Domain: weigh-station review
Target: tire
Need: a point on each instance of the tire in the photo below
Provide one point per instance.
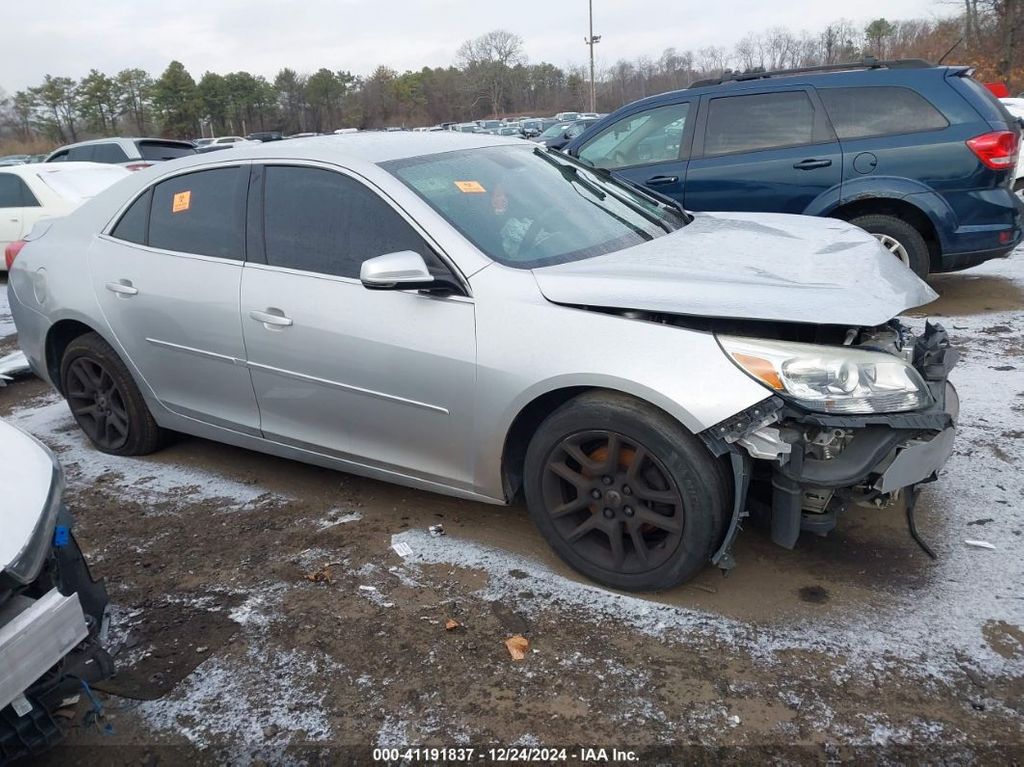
(104, 400)
(889, 229)
(647, 468)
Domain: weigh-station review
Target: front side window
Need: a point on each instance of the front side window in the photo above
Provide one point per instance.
(321, 221)
(646, 137)
(81, 153)
(879, 111)
(760, 121)
(200, 213)
(14, 192)
(528, 207)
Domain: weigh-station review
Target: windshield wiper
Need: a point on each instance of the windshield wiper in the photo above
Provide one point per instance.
(570, 174)
(663, 200)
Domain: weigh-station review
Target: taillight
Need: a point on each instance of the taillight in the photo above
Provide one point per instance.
(138, 165)
(996, 150)
(11, 252)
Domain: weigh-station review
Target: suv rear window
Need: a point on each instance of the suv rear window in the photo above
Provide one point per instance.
(879, 111)
(164, 150)
(759, 121)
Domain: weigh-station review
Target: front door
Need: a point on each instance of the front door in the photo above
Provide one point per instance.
(773, 152)
(167, 279)
(13, 193)
(379, 378)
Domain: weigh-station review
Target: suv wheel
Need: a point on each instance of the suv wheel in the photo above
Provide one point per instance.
(624, 494)
(104, 399)
(899, 238)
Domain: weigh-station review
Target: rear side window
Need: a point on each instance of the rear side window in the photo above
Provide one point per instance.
(879, 111)
(652, 136)
(133, 224)
(163, 150)
(760, 121)
(200, 213)
(321, 221)
(108, 153)
(14, 193)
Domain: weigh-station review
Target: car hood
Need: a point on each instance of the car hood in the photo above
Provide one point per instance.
(761, 266)
(28, 470)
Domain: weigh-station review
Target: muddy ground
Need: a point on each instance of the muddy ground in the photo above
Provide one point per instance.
(261, 613)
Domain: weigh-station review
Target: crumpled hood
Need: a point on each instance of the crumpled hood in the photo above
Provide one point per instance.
(762, 266)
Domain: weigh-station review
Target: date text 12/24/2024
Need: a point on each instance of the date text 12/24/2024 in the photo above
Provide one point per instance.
(457, 754)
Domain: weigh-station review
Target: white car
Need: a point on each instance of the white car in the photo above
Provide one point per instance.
(1015, 106)
(132, 153)
(30, 193)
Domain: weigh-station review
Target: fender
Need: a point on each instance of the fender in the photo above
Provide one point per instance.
(912, 192)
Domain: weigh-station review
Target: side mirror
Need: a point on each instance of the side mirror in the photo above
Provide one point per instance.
(404, 270)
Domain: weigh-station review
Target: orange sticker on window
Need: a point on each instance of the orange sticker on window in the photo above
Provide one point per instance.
(181, 202)
(470, 187)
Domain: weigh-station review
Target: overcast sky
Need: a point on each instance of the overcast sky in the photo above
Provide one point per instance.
(68, 37)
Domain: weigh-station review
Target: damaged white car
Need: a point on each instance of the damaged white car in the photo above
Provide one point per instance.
(52, 612)
(480, 317)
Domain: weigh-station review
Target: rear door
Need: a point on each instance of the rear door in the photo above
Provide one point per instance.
(773, 151)
(167, 279)
(648, 146)
(379, 377)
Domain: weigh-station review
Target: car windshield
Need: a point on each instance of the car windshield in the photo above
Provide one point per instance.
(527, 207)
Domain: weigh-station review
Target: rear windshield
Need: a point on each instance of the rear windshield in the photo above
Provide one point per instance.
(164, 150)
(526, 207)
(78, 184)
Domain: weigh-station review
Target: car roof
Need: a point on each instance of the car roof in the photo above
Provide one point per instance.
(35, 168)
(132, 139)
(363, 147)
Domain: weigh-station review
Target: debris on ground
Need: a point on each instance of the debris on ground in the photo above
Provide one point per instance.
(402, 549)
(517, 646)
(980, 544)
(323, 575)
(11, 365)
(451, 624)
(436, 530)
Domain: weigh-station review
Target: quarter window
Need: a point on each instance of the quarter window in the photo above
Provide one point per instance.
(321, 221)
(759, 121)
(132, 226)
(201, 213)
(14, 193)
(648, 137)
(879, 111)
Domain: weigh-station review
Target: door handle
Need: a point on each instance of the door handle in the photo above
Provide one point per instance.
(661, 180)
(271, 318)
(123, 288)
(812, 164)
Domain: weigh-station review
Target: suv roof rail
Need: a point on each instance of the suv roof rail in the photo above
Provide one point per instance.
(868, 62)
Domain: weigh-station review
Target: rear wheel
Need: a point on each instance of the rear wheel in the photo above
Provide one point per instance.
(104, 399)
(899, 238)
(624, 494)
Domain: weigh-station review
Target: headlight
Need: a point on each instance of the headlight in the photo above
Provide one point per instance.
(830, 379)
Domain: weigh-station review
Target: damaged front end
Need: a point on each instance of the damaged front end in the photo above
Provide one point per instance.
(860, 422)
(52, 612)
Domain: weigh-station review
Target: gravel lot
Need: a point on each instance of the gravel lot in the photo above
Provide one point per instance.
(230, 646)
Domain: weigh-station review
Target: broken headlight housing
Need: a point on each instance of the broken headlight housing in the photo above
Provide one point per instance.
(830, 379)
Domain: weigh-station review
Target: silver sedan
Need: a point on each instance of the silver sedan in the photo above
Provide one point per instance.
(478, 316)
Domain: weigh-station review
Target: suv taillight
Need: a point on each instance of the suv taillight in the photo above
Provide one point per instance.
(12, 251)
(996, 150)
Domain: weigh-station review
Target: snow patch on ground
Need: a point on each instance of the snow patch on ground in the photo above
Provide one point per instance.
(153, 483)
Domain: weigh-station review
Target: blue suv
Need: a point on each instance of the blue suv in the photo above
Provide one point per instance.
(921, 156)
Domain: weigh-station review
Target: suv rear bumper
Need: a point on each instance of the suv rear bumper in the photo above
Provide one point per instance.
(954, 262)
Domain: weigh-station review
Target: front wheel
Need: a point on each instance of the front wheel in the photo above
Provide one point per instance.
(899, 238)
(104, 399)
(624, 494)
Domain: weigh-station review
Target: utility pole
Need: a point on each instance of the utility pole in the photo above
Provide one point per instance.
(592, 40)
